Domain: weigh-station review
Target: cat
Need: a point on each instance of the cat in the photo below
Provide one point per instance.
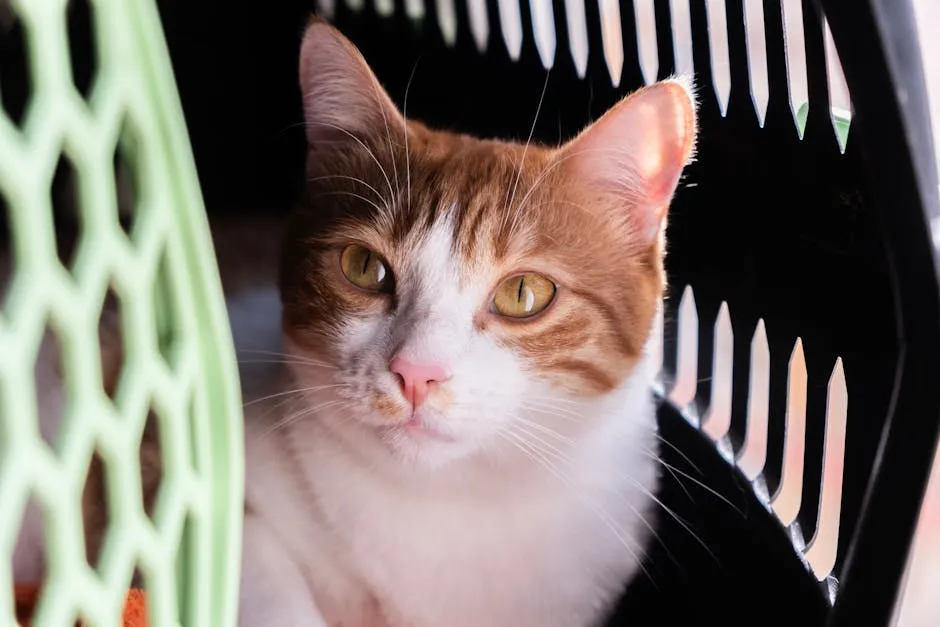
(463, 433)
(461, 429)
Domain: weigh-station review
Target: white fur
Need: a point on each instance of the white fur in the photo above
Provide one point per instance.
(405, 531)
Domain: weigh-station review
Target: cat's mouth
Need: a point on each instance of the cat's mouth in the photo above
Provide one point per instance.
(416, 429)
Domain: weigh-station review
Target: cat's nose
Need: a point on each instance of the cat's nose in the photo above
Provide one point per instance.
(416, 378)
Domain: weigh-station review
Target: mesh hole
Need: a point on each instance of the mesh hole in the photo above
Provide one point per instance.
(82, 52)
(29, 562)
(151, 463)
(166, 311)
(96, 509)
(111, 343)
(6, 254)
(65, 209)
(127, 179)
(50, 374)
(15, 87)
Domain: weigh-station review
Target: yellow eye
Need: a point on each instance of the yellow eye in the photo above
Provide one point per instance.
(365, 269)
(523, 296)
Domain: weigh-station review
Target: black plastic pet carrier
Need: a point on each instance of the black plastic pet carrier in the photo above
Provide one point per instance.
(802, 361)
(800, 390)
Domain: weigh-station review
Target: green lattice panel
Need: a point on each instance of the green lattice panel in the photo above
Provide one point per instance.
(178, 358)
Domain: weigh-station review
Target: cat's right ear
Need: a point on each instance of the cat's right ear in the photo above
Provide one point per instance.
(341, 95)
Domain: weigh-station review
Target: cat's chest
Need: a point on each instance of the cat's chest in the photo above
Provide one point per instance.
(460, 562)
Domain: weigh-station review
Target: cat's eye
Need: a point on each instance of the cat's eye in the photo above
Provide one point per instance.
(523, 295)
(365, 269)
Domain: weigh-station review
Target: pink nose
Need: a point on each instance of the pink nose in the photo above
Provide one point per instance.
(416, 379)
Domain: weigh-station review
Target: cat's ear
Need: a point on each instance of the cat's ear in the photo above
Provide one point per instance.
(636, 152)
(341, 95)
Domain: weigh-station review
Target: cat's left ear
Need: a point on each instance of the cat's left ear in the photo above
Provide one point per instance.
(636, 152)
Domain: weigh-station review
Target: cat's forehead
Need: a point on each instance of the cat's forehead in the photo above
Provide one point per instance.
(481, 197)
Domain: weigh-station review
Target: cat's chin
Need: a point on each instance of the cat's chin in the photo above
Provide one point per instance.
(419, 445)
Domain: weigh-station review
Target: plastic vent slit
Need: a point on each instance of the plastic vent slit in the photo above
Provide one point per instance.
(543, 28)
(682, 36)
(385, 8)
(510, 22)
(822, 549)
(479, 22)
(647, 47)
(754, 452)
(717, 420)
(683, 390)
(577, 34)
(611, 39)
(447, 20)
(840, 106)
(788, 498)
(796, 59)
(757, 57)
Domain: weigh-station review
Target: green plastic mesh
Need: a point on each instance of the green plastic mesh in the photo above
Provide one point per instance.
(178, 360)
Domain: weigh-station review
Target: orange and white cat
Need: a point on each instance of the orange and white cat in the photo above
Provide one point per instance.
(461, 433)
(464, 433)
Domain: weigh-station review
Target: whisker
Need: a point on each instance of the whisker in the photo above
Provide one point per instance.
(554, 413)
(405, 116)
(548, 447)
(292, 418)
(546, 430)
(286, 362)
(679, 452)
(536, 455)
(677, 518)
(305, 390)
(354, 195)
(355, 179)
(388, 135)
(528, 141)
(367, 149)
(711, 491)
(287, 355)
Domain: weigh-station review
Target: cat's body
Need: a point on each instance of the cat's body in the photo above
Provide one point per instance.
(460, 430)
(512, 483)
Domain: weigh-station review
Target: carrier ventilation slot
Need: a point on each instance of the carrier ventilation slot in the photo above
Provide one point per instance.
(788, 500)
(479, 23)
(790, 37)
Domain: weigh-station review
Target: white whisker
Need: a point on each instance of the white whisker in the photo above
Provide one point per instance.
(405, 116)
(525, 149)
(354, 195)
(297, 391)
(353, 179)
(290, 419)
(538, 455)
(369, 150)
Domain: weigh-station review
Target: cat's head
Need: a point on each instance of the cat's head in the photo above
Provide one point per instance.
(458, 293)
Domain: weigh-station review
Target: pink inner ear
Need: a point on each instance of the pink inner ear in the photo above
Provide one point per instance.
(638, 149)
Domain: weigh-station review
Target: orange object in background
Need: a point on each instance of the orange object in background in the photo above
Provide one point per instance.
(26, 596)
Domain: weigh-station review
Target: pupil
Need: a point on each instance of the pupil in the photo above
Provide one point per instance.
(365, 262)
